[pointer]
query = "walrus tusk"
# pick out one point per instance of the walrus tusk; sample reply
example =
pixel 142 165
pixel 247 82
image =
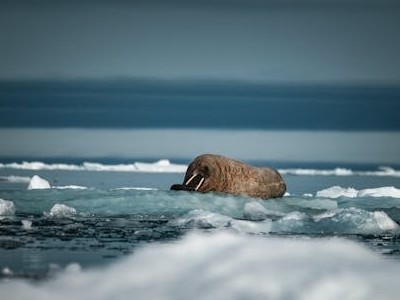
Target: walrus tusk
pixel 200 183
pixel 190 179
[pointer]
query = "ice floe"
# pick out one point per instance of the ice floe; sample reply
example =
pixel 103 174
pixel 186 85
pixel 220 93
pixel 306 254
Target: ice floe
pixel 26 224
pixel 337 191
pixel 15 179
pixel 382 171
pixel 61 211
pixel 37 183
pixel 7 208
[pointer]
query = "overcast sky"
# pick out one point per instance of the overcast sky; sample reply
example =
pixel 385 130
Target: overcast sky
pixel 268 41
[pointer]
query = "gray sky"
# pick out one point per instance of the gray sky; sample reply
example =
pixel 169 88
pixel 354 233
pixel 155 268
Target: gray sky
pixel 272 41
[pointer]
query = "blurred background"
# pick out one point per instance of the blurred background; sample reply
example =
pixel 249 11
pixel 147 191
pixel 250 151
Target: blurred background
pixel 279 81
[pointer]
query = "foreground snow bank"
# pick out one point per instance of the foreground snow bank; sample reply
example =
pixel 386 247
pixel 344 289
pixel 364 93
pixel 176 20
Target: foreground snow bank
pixel 228 266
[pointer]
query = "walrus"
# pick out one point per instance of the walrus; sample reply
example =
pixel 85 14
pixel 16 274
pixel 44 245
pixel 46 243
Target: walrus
pixel 216 173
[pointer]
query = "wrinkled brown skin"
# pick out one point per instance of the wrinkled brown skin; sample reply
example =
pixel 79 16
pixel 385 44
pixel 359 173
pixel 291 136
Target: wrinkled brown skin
pixel 225 175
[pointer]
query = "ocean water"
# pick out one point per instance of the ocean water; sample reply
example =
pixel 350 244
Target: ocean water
pixel 98 230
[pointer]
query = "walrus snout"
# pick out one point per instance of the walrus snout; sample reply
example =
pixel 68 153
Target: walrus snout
pixel 192 184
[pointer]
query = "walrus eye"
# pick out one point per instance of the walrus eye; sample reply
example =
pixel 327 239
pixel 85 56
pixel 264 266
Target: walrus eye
pixel 195 182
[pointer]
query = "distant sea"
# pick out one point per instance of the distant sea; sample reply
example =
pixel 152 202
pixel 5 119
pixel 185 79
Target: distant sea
pixel 200 105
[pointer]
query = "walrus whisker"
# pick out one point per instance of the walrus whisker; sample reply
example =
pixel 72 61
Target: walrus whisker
pixel 200 183
pixel 190 179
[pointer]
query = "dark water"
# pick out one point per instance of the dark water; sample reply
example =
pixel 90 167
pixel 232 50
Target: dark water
pixel 186 104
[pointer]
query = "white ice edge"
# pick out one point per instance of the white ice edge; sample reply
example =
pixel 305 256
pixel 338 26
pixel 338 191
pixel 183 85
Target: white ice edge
pixel 337 191
pixel 161 166
pixel 165 166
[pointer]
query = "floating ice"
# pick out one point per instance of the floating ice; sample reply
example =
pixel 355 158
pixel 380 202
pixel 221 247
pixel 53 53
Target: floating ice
pixel 382 171
pixel 206 220
pixel 6 271
pixel 202 219
pixel 320 204
pixel 70 187
pixel 7 208
pixel 315 172
pixel 38 183
pixel 136 189
pixel 337 191
pixel 255 211
pixel 388 191
pixel 61 211
pixel 15 179
pixel 355 221
pixel 227 266
pixel 161 166
pixel 26 224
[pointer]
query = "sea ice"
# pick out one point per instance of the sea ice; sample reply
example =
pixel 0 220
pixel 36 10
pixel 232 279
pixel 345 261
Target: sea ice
pixel 61 211
pixel 26 224
pixel 161 166
pixel 337 191
pixel 388 191
pixel 38 183
pixel 7 208
pixel 202 219
pixel 355 221
pixel 70 187
pixel 255 211
pixel 227 266
pixel 15 179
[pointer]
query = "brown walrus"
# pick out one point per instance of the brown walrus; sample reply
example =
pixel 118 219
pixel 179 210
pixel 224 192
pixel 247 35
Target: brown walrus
pixel 216 173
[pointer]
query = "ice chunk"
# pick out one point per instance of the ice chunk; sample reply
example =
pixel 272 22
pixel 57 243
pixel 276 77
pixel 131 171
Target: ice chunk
pixel 7 208
pixel 15 179
pixel 388 191
pixel 384 221
pixel 202 219
pixel 251 227
pixel 7 272
pixel 336 192
pixel 61 211
pixel 26 224
pixel 255 211
pixel 161 166
pixel 38 183
pixel 355 221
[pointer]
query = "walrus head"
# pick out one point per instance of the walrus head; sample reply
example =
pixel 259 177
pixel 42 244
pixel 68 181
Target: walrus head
pixel 198 174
